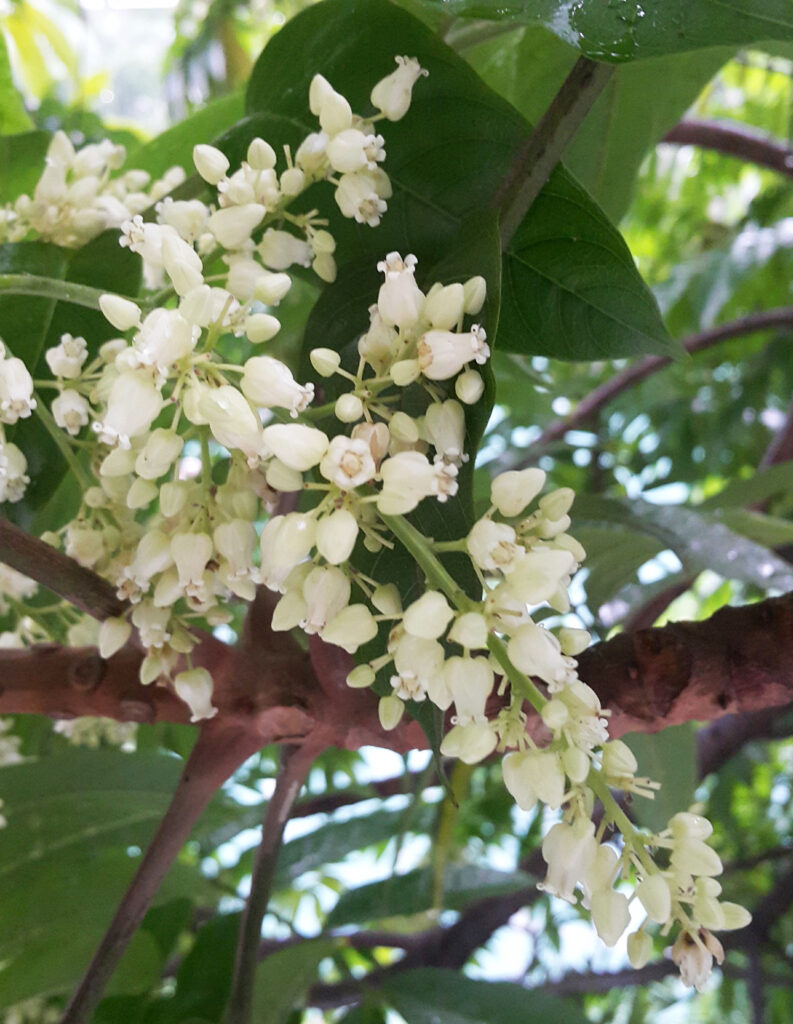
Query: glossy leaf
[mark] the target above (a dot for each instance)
(571, 288)
(434, 996)
(626, 30)
(13, 116)
(668, 757)
(284, 977)
(412, 893)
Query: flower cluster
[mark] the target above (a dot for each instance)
(194, 436)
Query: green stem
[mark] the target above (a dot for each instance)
(51, 288)
(417, 545)
(615, 813)
(519, 681)
(55, 432)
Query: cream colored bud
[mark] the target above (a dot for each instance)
(233, 225)
(121, 313)
(296, 445)
(351, 628)
(271, 288)
(573, 641)
(640, 949)
(386, 599)
(361, 677)
(390, 710)
(403, 428)
(261, 155)
(141, 494)
(348, 408)
(555, 714)
(610, 915)
(282, 478)
(210, 163)
(654, 895)
(475, 292)
(261, 327)
(557, 503)
(162, 449)
(336, 536)
(576, 764)
(293, 181)
(469, 387)
(325, 361)
(618, 759)
(429, 616)
(443, 307)
(173, 497)
(511, 492)
(113, 634)
(195, 688)
(405, 372)
(324, 266)
(470, 631)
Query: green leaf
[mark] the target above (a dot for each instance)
(203, 981)
(764, 484)
(639, 104)
(13, 116)
(668, 757)
(627, 30)
(435, 996)
(22, 160)
(284, 977)
(412, 893)
(571, 288)
(613, 556)
(77, 823)
(174, 147)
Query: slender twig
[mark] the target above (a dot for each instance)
(600, 396)
(295, 764)
(734, 140)
(220, 750)
(543, 149)
(51, 288)
(58, 573)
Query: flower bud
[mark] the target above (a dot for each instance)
(351, 628)
(162, 449)
(210, 163)
(475, 293)
(282, 478)
(555, 714)
(557, 503)
(361, 677)
(443, 307)
(470, 631)
(405, 372)
(336, 536)
(573, 641)
(576, 764)
(640, 949)
(260, 327)
(469, 387)
(429, 616)
(289, 612)
(610, 915)
(261, 155)
(469, 681)
(348, 408)
(195, 688)
(269, 383)
(386, 599)
(232, 226)
(511, 492)
(113, 634)
(392, 94)
(403, 428)
(618, 760)
(325, 361)
(471, 743)
(390, 710)
(141, 494)
(296, 445)
(121, 313)
(293, 181)
(173, 496)
(654, 895)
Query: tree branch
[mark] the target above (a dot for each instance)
(541, 152)
(295, 765)
(602, 395)
(58, 573)
(220, 750)
(734, 140)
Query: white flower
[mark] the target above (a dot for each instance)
(152, 624)
(400, 299)
(326, 591)
(232, 421)
(165, 338)
(351, 628)
(363, 194)
(191, 552)
(493, 546)
(70, 411)
(442, 354)
(13, 477)
(610, 915)
(444, 425)
(470, 682)
(268, 382)
(429, 616)
(533, 775)
(336, 536)
(654, 894)
(348, 463)
(296, 445)
(280, 249)
(443, 307)
(351, 150)
(539, 573)
(133, 404)
(407, 478)
(16, 391)
(66, 359)
(470, 743)
(511, 492)
(162, 449)
(392, 94)
(568, 850)
(233, 226)
(194, 687)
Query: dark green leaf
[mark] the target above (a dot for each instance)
(203, 981)
(284, 977)
(22, 160)
(413, 893)
(765, 483)
(668, 757)
(571, 288)
(621, 30)
(434, 996)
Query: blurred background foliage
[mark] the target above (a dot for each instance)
(685, 499)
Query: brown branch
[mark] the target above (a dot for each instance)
(541, 152)
(722, 739)
(602, 395)
(220, 750)
(295, 765)
(58, 573)
(734, 140)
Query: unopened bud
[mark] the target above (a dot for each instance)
(325, 361)
(113, 634)
(348, 408)
(469, 387)
(121, 313)
(210, 163)
(405, 372)
(511, 492)
(390, 710)
(361, 677)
